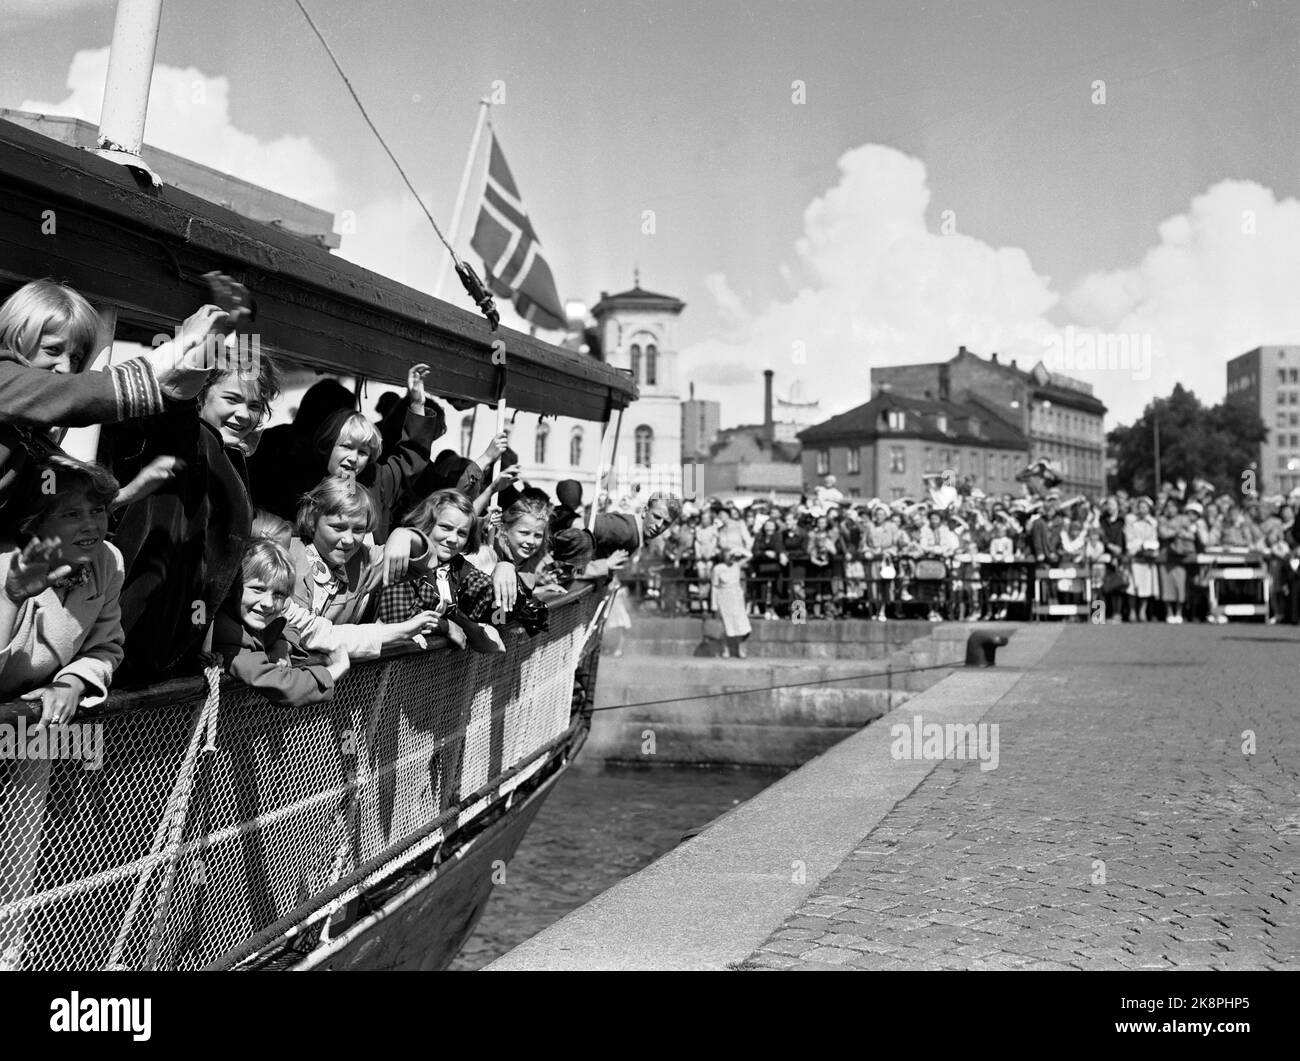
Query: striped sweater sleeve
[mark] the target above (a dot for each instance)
(33, 397)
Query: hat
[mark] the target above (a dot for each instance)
(569, 492)
(1052, 495)
(977, 494)
(1194, 506)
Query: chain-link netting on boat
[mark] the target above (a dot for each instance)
(211, 818)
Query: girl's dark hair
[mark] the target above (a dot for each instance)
(267, 382)
(56, 476)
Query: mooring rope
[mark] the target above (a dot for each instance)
(888, 675)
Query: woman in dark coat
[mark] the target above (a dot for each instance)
(769, 547)
(795, 534)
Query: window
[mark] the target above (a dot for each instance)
(988, 467)
(645, 440)
(895, 493)
(974, 427)
(897, 420)
(575, 447)
(1282, 419)
(651, 364)
(1295, 419)
(823, 462)
(929, 460)
(854, 460)
(1006, 467)
(1295, 375)
(539, 442)
(636, 362)
(466, 434)
(898, 460)
(1281, 375)
(854, 492)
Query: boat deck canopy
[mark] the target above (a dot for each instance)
(99, 227)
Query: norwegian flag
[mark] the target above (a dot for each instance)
(512, 253)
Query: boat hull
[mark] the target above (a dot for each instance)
(424, 927)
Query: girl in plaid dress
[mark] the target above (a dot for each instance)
(463, 597)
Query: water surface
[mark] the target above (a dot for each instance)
(600, 824)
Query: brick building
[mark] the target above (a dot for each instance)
(882, 449)
(1267, 379)
(1060, 417)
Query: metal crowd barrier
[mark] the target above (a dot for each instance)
(964, 585)
(1063, 591)
(1247, 570)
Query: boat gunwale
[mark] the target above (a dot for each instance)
(78, 182)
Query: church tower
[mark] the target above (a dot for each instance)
(638, 333)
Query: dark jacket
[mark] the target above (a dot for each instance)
(1112, 533)
(255, 659)
(768, 566)
(33, 397)
(182, 545)
(1045, 541)
(285, 464)
(616, 530)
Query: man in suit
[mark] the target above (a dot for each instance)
(616, 536)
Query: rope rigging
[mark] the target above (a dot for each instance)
(469, 279)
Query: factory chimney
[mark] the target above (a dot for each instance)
(768, 431)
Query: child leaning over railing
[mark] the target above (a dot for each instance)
(454, 591)
(255, 644)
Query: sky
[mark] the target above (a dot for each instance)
(828, 185)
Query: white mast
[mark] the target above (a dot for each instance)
(459, 209)
(126, 89)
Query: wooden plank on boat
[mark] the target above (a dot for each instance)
(145, 250)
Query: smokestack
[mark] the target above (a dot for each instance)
(692, 392)
(767, 403)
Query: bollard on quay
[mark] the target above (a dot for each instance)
(982, 647)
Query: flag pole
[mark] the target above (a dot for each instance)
(459, 209)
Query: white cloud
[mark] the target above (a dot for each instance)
(883, 290)
(189, 115)
(1221, 281)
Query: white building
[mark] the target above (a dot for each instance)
(637, 332)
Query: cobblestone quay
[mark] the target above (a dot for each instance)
(1143, 814)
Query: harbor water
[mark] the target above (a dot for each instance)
(602, 823)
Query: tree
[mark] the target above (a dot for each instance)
(1218, 444)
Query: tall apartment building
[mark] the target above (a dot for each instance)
(1267, 379)
(1060, 417)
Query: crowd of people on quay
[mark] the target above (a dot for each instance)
(958, 553)
(282, 555)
